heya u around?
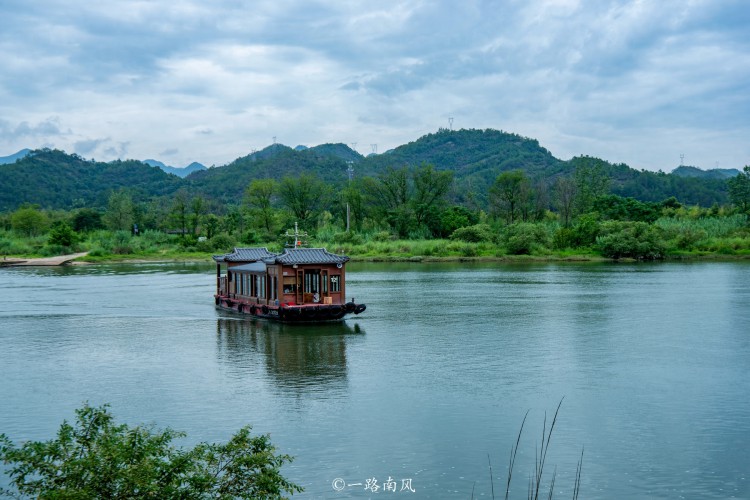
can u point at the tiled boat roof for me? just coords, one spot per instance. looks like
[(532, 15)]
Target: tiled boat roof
[(245, 255), (289, 256), (309, 256)]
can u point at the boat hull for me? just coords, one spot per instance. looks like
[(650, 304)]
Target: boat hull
[(287, 313)]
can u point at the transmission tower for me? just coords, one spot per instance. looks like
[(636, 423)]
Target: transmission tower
[(682, 159), (450, 123), (374, 148)]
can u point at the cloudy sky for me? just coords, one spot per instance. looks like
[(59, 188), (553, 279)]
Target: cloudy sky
[(639, 82)]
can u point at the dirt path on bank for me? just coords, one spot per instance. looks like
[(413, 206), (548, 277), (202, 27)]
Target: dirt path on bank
[(59, 260)]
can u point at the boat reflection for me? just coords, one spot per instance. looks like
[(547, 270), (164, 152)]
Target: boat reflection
[(294, 357)]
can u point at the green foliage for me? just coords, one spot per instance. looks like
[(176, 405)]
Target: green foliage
[(508, 192), (87, 219), (305, 196), (222, 243), (62, 234), (563, 238), (591, 180), (636, 240), (473, 234), (97, 458), (120, 211), (525, 238), (586, 230), (54, 179), (259, 197), (739, 190), (456, 217), (616, 207), (29, 221)]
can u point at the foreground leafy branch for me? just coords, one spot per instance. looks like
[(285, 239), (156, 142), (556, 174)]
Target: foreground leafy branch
[(96, 458)]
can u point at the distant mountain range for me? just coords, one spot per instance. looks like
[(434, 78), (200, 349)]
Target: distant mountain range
[(714, 173), (12, 158), (55, 179), (179, 172)]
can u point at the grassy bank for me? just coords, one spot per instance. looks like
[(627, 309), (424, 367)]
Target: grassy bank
[(588, 240)]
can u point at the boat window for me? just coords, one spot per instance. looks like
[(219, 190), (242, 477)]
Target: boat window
[(312, 281), (325, 282), (290, 284), (335, 283)]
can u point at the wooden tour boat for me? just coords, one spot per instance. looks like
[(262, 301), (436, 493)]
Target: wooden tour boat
[(297, 285)]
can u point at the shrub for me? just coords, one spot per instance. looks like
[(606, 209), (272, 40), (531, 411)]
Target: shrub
[(62, 235), (222, 243), (563, 238), (586, 230), (473, 234), (525, 238), (636, 240), (382, 236), (348, 237), (97, 458)]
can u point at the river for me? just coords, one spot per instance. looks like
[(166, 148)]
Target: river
[(423, 391)]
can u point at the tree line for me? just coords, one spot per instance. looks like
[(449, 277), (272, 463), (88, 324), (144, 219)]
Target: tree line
[(405, 203)]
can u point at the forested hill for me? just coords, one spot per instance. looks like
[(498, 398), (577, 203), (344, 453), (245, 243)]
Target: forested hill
[(470, 152), (227, 183), (54, 179)]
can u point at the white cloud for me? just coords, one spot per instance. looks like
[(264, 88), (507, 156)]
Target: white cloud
[(637, 82)]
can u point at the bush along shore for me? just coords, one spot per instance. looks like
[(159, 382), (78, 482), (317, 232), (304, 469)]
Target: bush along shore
[(407, 213), (590, 237)]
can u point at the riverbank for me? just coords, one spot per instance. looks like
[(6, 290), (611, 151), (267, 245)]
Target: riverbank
[(85, 259)]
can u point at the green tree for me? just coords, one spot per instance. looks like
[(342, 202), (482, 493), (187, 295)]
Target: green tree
[(430, 188), (304, 196), (29, 221), (120, 211), (739, 189), (389, 197), (212, 225), (179, 211), (62, 234), (592, 181), (97, 458), (565, 196), (259, 198), (197, 210), (508, 192), (87, 219)]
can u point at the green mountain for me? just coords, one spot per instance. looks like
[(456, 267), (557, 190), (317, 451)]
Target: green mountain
[(227, 184), (53, 179)]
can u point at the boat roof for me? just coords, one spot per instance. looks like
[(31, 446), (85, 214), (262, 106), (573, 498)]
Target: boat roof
[(245, 255), (309, 256), (288, 257)]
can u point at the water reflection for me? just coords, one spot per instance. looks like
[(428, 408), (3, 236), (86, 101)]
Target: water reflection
[(293, 357)]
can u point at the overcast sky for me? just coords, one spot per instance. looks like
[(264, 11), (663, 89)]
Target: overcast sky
[(639, 82)]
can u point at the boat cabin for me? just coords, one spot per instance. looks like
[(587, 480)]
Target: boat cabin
[(297, 276)]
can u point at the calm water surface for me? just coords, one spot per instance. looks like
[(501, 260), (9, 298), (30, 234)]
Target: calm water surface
[(652, 360)]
